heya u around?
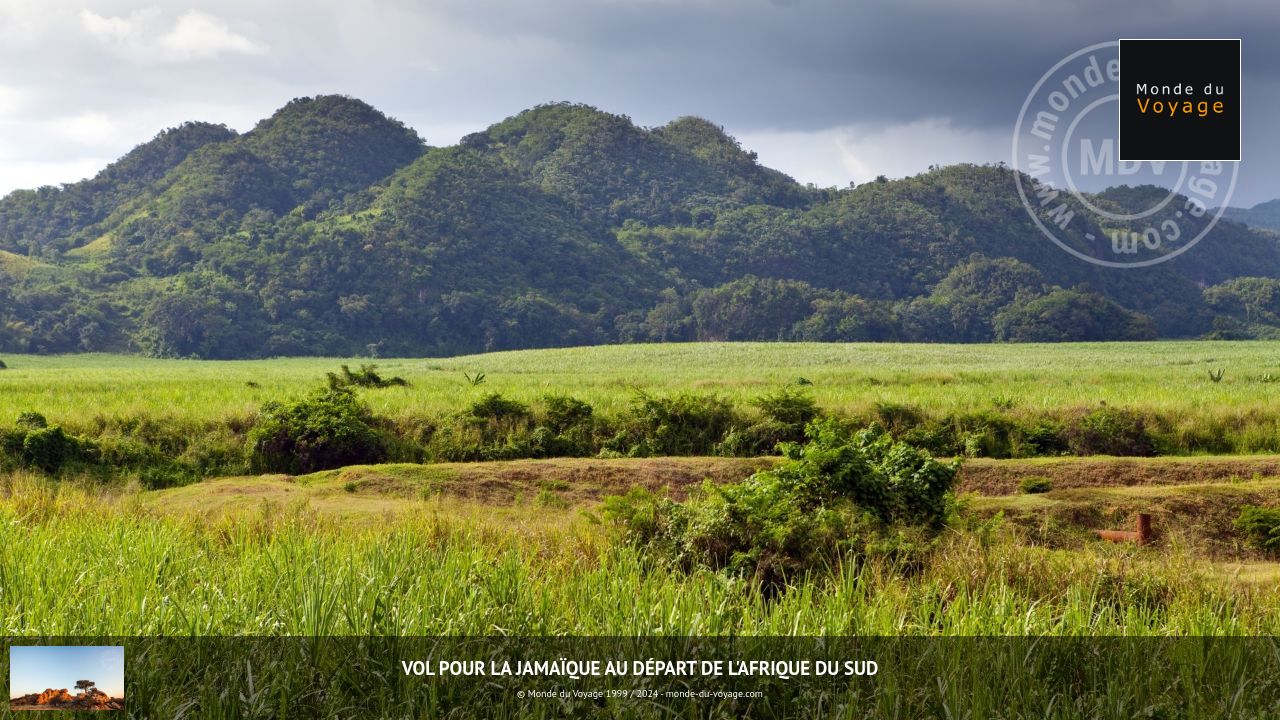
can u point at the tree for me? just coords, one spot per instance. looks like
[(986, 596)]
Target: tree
[(1071, 316), (753, 309), (84, 685)]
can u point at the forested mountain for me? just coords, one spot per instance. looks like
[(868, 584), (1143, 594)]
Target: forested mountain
[(1263, 215), (331, 229)]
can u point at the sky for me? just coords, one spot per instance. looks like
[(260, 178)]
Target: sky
[(829, 91), (34, 669)]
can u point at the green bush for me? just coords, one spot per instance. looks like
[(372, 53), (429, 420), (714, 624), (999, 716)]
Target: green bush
[(34, 443), (936, 436), (985, 434), (898, 417), (495, 407), (840, 492), (327, 429), (1042, 436), (153, 467), (50, 448), (565, 413), (684, 424), (1035, 484), (785, 415), (761, 438), (11, 446), (1109, 431), (495, 428), (541, 442), (32, 420), (549, 499), (1260, 527), (574, 427), (788, 406), (366, 377)]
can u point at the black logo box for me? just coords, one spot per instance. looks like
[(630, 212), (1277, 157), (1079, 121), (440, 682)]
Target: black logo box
[(1180, 62)]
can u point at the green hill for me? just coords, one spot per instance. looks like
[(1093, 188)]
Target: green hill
[(1263, 215), (330, 228), (606, 167), (31, 220)]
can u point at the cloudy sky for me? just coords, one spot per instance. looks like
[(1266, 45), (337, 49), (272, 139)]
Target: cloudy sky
[(830, 91)]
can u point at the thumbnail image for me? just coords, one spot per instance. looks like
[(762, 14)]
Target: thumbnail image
[(66, 677)]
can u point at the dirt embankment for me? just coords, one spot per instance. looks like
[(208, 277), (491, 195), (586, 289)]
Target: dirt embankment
[(588, 479), (577, 480), (1001, 477)]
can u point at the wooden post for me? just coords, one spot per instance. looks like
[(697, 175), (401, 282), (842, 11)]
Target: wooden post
[(1144, 528)]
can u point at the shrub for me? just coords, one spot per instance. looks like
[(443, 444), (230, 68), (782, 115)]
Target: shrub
[(328, 429), (492, 428), (1109, 431), (166, 475), (366, 376), (565, 413), (898, 417), (1043, 436), (32, 420), (11, 446), (840, 492), (495, 407), (1260, 527), (785, 415), (1035, 484), (3, 366), (760, 438), (684, 424), (788, 406), (544, 442), (984, 434), (49, 448), (499, 429), (936, 436), (34, 443)]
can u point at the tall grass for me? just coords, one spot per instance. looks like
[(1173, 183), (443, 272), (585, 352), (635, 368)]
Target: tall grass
[(76, 562)]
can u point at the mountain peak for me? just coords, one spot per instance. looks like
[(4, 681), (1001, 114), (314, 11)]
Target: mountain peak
[(150, 161), (325, 106), (543, 128), (333, 144), (31, 219), (703, 138)]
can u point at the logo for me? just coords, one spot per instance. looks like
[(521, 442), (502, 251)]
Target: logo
[(1180, 99), (1101, 209)]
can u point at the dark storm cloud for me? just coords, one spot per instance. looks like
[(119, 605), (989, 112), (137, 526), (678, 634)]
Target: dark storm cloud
[(82, 80), (809, 65)]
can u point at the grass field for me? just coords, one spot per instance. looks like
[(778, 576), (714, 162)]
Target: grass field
[(1171, 377), (268, 556), (520, 548)]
